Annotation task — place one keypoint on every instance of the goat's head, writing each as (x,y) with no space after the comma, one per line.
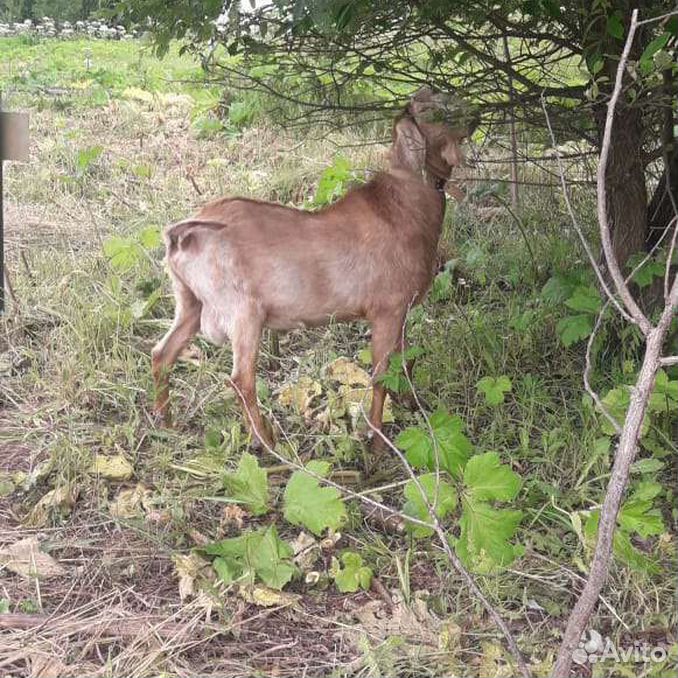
(429,134)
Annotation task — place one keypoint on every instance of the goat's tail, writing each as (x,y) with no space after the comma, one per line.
(177,235)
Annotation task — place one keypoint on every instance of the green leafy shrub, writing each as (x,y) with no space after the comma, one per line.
(333,182)
(350,575)
(480,481)
(259,554)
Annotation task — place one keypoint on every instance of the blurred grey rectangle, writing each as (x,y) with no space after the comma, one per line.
(13,136)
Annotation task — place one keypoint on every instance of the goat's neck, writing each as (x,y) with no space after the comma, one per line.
(420,174)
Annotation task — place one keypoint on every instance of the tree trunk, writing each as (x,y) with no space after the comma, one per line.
(661,211)
(625,182)
(664,204)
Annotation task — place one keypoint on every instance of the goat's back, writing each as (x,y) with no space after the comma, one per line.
(371,252)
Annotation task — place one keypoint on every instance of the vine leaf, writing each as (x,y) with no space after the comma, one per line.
(487,479)
(353,575)
(485,541)
(574,328)
(450,452)
(259,554)
(249,485)
(494,389)
(438,492)
(484,544)
(637,515)
(307,503)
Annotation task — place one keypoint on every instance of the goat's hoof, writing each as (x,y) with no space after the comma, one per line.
(377,445)
(266,441)
(161,419)
(373,452)
(406,400)
(375,442)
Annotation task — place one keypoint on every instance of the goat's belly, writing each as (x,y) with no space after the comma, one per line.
(213,326)
(293,321)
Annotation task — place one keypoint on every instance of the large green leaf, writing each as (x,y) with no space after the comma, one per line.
(450,452)
(307,503)
(439,494)
(249,485)
(557,289)
(416,445)
(574,328)
(259,554)
(615,27)
(650,270)
(122,253)
(585,300)
(270,559)
(453,446)
(487,479)
(333,181)
(646,58)
(637,514)
(150,237)
(484,544)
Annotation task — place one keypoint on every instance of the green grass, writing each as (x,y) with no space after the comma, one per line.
(113,65)
(120,153)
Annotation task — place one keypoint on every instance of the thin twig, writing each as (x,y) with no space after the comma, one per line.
(661,17)
(669,256)
(587,373)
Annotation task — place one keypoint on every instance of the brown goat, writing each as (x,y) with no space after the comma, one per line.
(241,265)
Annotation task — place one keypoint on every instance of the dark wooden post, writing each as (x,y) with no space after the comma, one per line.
(13,146)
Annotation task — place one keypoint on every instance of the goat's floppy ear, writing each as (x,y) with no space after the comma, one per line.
(409,145)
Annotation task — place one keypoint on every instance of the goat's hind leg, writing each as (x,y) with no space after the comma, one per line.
(164,354)
(245,338)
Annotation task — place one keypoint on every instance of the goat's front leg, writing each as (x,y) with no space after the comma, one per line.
(245,339)
(386,333)
(164,354)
